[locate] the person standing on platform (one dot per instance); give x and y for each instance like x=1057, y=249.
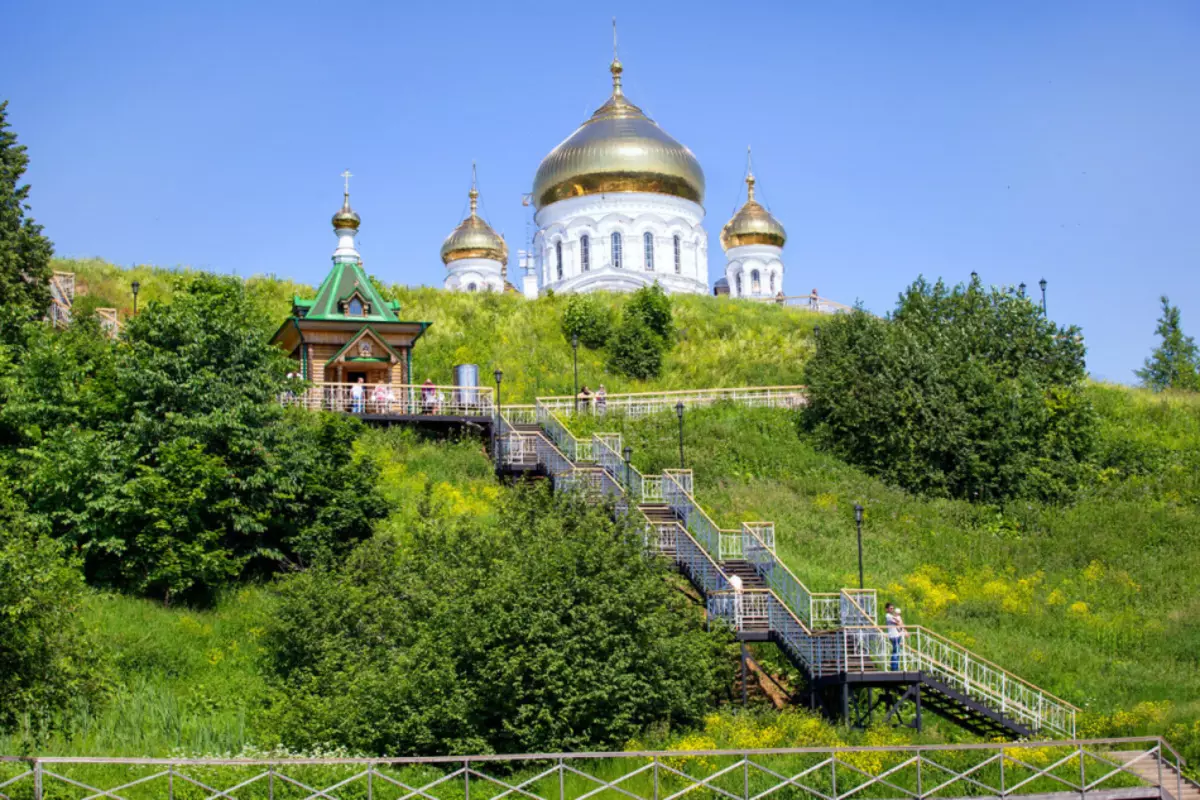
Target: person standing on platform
x=585, y=399
x=895, y=632
x=601, y=400
x=357, y=393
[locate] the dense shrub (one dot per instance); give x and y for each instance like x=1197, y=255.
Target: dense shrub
x=549, y=630
x=651, y=305
x=635, y=350
x=589, y=317
x=963, y=392
x=47, y=658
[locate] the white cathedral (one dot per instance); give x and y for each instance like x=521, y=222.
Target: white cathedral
x=619, y=205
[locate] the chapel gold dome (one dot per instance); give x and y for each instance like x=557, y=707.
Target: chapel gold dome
x=474, y=238
x=752, y=224
x=346, y=216
x=619, y=149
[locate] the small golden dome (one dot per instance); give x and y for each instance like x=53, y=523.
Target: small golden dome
x=752, y=224
x=346, y=216
x=619, y=149
x=474, y=238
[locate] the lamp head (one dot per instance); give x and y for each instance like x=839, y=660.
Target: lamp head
x=816, y=330
x=858, y=512
x=974, y=275
x=628, y=451
x=575, y=341
x=498, y=375
x=136, y=285
x=1042, y=284
x=679, y=409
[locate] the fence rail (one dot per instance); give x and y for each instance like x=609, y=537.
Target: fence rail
x=639, y=404
x=387, y=398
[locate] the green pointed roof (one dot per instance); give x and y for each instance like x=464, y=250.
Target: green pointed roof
x=346, y=279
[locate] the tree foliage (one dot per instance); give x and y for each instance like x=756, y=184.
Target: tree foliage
x=166, y=458
x=24, y=251
x=651, y=305
x=553, y=630
x=588, y=317
x=1175, y=363
x=47, y=660
x=646, y=332
x=963, y=392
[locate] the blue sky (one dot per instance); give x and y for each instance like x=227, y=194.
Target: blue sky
x=1021, y=139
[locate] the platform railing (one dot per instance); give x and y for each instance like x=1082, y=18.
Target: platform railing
x=639, y=404
x=552, y=424
x=395, y=399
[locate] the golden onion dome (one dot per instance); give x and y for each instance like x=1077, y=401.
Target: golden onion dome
x=346, y=216
x=619, y=149
x=474, y=238
x=752, y=224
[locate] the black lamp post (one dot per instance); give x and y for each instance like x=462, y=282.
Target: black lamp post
x=1021, y=289
x=136, y=286
x=679, y=413
x=575, y=359
x=858, y=517
x=974, y=276
x=628, y=452
x=1042, y=283
x=816, y=331
x=498, y=375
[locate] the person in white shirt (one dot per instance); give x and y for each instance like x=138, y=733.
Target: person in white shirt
x=356, y=397
x=895, y=632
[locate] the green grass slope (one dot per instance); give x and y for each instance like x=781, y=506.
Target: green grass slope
x=1095, y=601
x=721, y=342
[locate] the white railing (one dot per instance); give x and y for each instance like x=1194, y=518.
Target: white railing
x=521, y=414
x=575, y=449
x=809, y=302
x=394, y=399
x=639, y=404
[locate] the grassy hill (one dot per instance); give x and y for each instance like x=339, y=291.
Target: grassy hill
x=721, y=342
x=1095, y=601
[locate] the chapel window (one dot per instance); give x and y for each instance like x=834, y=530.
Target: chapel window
x=585, y=253
x=558, y=258
x=678, y=257
x=356, y=308
x=616, y=250
x=648, y=245
x=755, y=282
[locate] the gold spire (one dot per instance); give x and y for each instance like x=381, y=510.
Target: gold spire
x=752, y=224
x=345, y=217
x=615, y=68
x=474, y=193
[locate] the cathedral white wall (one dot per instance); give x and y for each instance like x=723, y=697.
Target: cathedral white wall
x=485, y=273
x=741, y=264
x=632, y=215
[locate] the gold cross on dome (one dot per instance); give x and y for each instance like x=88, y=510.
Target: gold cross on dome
x=347, y=175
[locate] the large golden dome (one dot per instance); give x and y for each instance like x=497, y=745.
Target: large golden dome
x=619, y=149
x=474, y=238
x=752, y=224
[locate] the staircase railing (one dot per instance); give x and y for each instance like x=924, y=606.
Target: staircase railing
x=575, y=449
x=639, y=404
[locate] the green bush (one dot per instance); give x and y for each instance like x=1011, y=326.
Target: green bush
x=963, y=392
x=47, y=657
x=651, y=305
x=548, y=630
x=588, y=317
x=635, y=350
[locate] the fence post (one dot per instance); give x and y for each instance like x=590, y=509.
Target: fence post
x=466, y=779
x=920, y=759
x=37, y=780
x=656, y=778
x=371, y=780
x=562, y=781
x=1158, y=759
x=171, y=782
x=745, y=765
x=271, y=783
x=1083, y=776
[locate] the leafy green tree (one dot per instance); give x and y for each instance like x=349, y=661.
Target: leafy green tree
x=47, y=657
x=963, y=392
x=166, y=459
x=651, y=305
x=1175, y=363
x=24, y=251
x=588, y=317
x=550, y=629
x=635, y=350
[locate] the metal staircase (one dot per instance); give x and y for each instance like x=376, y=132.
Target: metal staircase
x=833, y=638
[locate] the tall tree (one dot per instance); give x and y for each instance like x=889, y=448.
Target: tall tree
x=1175, y=363
x=24, y=251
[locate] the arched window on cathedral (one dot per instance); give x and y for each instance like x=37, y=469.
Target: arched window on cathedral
x=738, y=281
x=755, y=282
x=616, y=249
x=558, y=258
x=772, y=279
x=648, y=246
x=585, y=252
x=678, y=256
x=471, y=287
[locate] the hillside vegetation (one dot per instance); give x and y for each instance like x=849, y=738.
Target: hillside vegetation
x=720, y=342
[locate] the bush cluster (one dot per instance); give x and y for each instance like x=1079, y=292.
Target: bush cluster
x=963, y=392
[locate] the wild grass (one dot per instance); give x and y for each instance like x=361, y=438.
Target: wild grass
x=1096, y=601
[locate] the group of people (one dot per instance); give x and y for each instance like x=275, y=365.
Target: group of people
x=380, y=398
x=585, y=399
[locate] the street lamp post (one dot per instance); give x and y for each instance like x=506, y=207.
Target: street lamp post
x=628, y=452
x=679, y=413
x=575, y=359
x=498, y=375
x=1042, y=283
x=1021, y=289
x=136, y=286
x=858, y=518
